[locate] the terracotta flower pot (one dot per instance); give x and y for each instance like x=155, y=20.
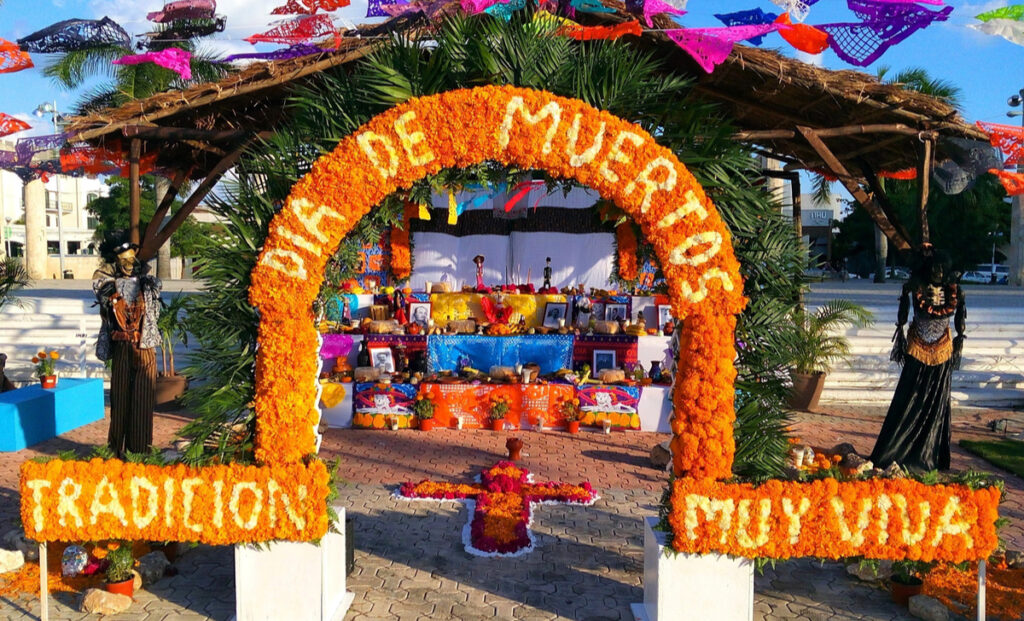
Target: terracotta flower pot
x=48, y=381
x=169, y=388
x=497, y=424
x=515, y=448
x=426, y=424
x=574, y=426
x=902, y=592
x=126, y=587
x=807, y=389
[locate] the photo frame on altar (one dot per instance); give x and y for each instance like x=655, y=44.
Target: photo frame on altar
x=381, y=357
x=664, y=315
x=597, y=311
x=615, y=312
x=419, y=313
x=583, y=319
x=602, y=359
x=553, y=312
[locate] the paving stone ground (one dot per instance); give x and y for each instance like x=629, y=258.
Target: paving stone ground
x=588, y=564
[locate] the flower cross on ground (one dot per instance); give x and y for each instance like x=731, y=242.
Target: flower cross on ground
x=500, y=506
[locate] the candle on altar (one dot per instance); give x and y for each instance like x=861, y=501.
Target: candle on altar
x=426, y=287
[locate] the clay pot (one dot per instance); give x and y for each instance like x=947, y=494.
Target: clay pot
x=807, y=389
x=126, y=587
x=169, y=388
x=901, y=592
x=574, y=426
x=48, y=381
x=498, y=424
x=515, y=448
x=426, y=424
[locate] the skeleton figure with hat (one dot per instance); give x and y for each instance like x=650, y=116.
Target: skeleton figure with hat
x=130, y=304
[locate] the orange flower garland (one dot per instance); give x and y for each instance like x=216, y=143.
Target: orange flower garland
x=401, y=256
x=877, y=518
x=958, y=590
x=625, y=242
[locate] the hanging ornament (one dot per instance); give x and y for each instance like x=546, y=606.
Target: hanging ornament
x=649, y=8
x=711, y=46
x=1013, y=182
x=12, y=59
x=905, y=174
x=184, y=9
x=965, y=161
x=173, y=58
x=293, y=51
x=424, y=211
x=298, y=30
x=798, y=9
x=885, y=24
x=590, y=6
x=752, y=17
x=1009, y=29
x=593, y=33
x=87, y=160
x=801, y=36
x=27, y=148
x=453, y=209
x=189, y=29
x=309, y=7
x=1007, y=138
x=11, y=125
x=504, y=10
x=75, y=34
x=1014, y=12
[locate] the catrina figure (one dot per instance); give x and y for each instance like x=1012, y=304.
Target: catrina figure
x=916, y=431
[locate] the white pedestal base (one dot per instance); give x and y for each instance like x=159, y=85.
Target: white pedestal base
x=696, y=587
x=292, y=580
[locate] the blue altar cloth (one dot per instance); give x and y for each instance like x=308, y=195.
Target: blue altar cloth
x=33, y=414
x=551, y=351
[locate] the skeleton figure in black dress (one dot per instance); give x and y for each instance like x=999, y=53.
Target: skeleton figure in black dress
x=916, y=432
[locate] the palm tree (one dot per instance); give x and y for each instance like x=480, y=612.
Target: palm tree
x=13, y=276
x=918, y=79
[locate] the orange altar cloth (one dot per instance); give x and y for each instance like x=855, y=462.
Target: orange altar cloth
x=529, y=402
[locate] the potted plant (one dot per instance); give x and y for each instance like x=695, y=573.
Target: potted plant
x=424, y=409
x=45, y=368
x=172, y=327
x=120, y=563
x=817, y=346
x=571, y=412
x=906, y=580
x=498, y=410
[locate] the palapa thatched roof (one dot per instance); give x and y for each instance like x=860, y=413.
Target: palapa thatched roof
x=765, y=94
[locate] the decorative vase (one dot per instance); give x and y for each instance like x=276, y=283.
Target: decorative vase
x=497, y=424
x=48, y=381
x=363, y=357
x=655, y=370
x=902, y=592
x=426, y=424
x=125, y=587
x=574, y=426
x=515, y=448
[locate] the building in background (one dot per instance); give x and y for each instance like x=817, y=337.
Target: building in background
x=817, y=219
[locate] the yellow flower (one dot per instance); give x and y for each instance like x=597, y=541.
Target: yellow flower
x=54, y=354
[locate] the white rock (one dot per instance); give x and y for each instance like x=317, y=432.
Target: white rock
x=11, y=560
x=152, y=567
x=928, y=608
x=136, y=580
x=15, y=540
x=98, y=601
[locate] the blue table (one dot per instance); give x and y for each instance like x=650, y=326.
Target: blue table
x=31, y=414
x=551, y=351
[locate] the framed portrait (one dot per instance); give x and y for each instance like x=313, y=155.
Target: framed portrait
x=664, y=315
x=583, y=319
x=382, y=358
x=419, y=313
x=615, y=312
x=597, y=311
x=553, y=312
x=603, y=359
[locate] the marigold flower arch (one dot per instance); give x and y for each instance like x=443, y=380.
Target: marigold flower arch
x=517, y=127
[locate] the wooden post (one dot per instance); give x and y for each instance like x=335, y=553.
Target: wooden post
x=924, y=173
x=135, y=189
x=981, y=590
x=798, y=223
x=44, y=588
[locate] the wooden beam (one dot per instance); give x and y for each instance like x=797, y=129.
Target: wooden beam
x=876, y=145
x=134, y=189
x=878, y=190
x=850, y=183
x=149, y=250
x=165, y=205
x=924, y=174
x=183, y=133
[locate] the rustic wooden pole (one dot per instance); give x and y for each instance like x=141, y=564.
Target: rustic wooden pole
x=165, y=205
x=924, y=173
x=135, y=189
x=44, y=588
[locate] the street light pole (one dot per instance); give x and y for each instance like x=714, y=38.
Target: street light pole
x=51, y=108
x=1016, y=276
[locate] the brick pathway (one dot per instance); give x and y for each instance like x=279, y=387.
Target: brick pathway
x=410, y=563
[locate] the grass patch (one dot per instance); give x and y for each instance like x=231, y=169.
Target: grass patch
x=1007, y=454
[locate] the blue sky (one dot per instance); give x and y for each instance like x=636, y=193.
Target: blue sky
x=988, y=69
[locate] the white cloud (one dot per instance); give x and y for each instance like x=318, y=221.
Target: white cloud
x=40, y=127
x=818, y=60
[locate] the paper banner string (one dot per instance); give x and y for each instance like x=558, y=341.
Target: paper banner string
x=886, y=24
x=1014, y=12
x=173, y=58
x=28, y=147
x=593, y=33
x=650, y=8
x=1013, y=182
x=521, y=190
x=294, y=51
x=903, y=175
x=309, y=7
x=748, y=18
x=189, y=29
x=74, y=34
x=11, y=125
x=298, y=30
x=801, y=36
x=504, y=10
x=374, y=8
x=12, y=59
x=453, y=209
x=89, y=160
x=474, y=7
x=1009, y=29
x=184, y=9
x=424, y=211
x=798, y=9
x=711, y=46
x=1007, y=138
x=590, y=6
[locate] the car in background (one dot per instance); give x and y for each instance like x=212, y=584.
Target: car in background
x=975, y=277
